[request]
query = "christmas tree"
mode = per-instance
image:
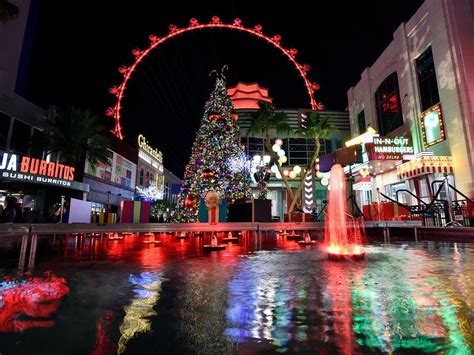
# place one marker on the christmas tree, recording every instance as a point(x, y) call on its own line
point(217, 161)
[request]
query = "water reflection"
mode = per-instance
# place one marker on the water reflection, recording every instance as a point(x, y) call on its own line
point(146, 289)
point(406, 304)
point(260, 295)
point(30, 303)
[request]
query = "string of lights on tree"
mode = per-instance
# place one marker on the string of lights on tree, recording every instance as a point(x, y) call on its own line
point(217, 161)
point(194, 24)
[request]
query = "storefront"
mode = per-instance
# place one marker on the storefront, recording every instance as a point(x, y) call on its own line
point(150, 171)
point(424, 176)
point(37, 184)
point(112, 182)
point(390, 166)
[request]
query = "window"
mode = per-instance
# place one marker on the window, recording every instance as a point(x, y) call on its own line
point(21, 136)
point(301, 150)
point(4, 128)
point(361, 121)
point(255, 146)
point(142, 172)
point(427, 82)
point(387, 101)
point(38, 143)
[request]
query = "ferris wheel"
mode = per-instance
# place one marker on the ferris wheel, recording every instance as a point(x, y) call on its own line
point(174, 31)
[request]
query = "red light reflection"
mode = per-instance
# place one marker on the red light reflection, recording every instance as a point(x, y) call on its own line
point(36, 297)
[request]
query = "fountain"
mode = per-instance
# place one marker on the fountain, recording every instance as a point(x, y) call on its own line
point(230, 238)
point(182, 235)
point(342, 231)
point(214, 244)
point(307, 240)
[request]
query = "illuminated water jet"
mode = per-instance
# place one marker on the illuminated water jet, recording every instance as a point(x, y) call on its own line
point(342, 235)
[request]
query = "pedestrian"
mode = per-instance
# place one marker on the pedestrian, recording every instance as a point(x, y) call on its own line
point(9, 210)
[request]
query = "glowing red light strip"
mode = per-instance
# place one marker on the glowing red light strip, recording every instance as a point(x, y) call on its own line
point(118, 129)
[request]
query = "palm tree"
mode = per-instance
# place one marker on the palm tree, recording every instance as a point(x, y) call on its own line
point(317, 128)
point(8, 11)
point(77, 135)
point(266, 121)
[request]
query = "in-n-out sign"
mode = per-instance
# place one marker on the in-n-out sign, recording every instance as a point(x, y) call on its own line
point(399, 145)
point(386, 148)
point(32, 166)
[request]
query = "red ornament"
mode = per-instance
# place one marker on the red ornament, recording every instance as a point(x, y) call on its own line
point(153, 37)
point(293, 52)
point(321, 106)
point(123, 69)
point(173, 28)
point(277, 38)
point(213, 116)
point(258, 28)
point(113, 90)
point(207, 174)
point(306, 67)
point(237, 22)
point(193, 22)
point(315, 86)
point(109, 111)
point(190, 201)
point(234, 115)
point(136, 52)
point(215, 20)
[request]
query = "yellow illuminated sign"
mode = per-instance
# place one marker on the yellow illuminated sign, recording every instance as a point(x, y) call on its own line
point(143, 144)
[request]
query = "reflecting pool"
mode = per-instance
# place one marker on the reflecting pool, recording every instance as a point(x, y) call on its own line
point(84, 295)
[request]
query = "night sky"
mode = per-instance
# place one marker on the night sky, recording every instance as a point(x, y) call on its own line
point(79, 46)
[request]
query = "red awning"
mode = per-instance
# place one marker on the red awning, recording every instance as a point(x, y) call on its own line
point(363, 184)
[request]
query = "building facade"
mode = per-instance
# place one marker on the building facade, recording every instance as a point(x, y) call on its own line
point(111, 183)
point(298, 150)
point(36, 180)
point(172, 185)
point(420, 89)
point(150, 170)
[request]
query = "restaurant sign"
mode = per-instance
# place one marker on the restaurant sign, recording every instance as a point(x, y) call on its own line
point(153, 152)
point(34, 170)
point(388, 148)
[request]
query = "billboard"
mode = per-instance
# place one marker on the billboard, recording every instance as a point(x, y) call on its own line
point(118, 170)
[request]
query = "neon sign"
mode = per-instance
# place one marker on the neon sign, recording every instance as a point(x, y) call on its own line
point(30, 169)
point(143, 144)
point(432, 130)
point(386, 148)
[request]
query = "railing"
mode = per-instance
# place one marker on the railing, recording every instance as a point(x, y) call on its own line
point(351, 201)
point(439, 212)
point(420, 201)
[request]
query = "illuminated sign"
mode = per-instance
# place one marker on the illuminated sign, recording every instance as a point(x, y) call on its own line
point(363, 138)
point(386, 148)
point(145, 157)
point(24, 168)
point(432, 129)
point(143, 144)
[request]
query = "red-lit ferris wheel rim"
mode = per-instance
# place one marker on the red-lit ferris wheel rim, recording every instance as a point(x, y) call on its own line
point(195, 25)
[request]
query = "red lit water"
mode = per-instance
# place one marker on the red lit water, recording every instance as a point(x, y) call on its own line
point(261, 295)
point(342, 231)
